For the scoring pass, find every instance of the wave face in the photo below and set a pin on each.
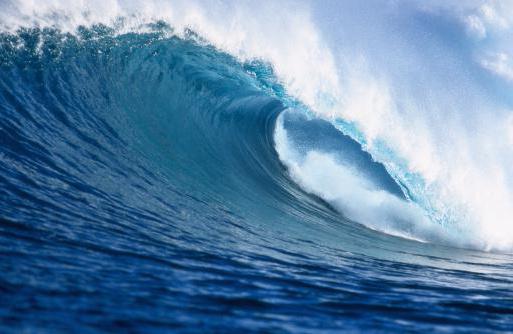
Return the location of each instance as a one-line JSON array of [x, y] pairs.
[[201, 166]]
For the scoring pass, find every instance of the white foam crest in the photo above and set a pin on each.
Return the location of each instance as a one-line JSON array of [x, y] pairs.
[[342, 186], [463, 156], [425, 114]]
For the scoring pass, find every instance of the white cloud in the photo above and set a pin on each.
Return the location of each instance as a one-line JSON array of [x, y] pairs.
[[489, 16], [493, 14], [475, 26], [500, 64]]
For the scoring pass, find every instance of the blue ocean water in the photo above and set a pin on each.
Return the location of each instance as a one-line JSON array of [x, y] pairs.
[[143, 189]]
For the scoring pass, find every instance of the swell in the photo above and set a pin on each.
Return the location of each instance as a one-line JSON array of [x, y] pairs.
[[99, 126], [422, 131]]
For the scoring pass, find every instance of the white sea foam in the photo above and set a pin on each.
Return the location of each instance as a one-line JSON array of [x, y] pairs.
[[342, 186]]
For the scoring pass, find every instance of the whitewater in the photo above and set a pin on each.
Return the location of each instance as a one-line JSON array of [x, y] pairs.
[[292, 166]]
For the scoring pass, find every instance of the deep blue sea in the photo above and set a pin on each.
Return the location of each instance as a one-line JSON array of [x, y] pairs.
[[151, 181]]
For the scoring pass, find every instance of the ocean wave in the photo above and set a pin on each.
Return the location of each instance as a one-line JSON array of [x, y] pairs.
[[434, 175], [213, 162]]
